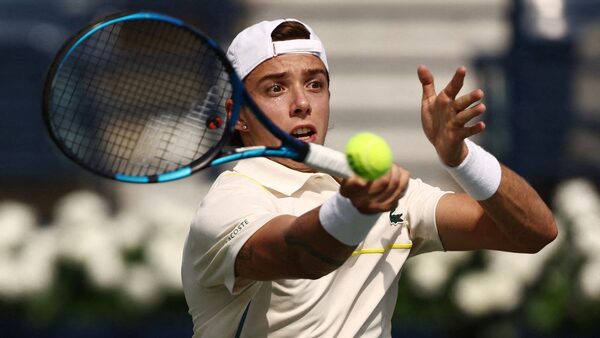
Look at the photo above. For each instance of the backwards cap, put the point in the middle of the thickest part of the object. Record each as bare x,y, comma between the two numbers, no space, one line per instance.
254,45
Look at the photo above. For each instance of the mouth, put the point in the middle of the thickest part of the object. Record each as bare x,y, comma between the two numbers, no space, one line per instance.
305,133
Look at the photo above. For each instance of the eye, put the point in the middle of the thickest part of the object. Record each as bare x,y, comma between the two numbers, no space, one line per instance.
315,85
275,89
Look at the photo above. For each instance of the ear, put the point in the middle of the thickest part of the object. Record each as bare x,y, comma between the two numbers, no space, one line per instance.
240,124
229,107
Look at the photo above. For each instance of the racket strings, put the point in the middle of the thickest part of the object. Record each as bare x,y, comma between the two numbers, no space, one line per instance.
94,57
77,126
95,94
135,98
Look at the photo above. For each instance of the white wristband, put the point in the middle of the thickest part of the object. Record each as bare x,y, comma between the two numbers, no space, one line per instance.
479,174
344,222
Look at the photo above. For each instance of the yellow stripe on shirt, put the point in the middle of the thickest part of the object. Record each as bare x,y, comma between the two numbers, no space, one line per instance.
235,174
382,250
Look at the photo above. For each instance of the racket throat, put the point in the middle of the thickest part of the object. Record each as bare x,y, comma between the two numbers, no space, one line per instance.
258,151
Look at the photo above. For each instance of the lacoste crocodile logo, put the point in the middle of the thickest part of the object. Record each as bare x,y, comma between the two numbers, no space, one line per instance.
396,219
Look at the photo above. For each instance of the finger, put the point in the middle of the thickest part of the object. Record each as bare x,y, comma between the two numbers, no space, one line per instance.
465,101
393,178
352,186
474,129
455,85
404,181
399,189
380,186
467,115
426,79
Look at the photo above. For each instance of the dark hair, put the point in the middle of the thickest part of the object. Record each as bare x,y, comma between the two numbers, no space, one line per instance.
290,30
287,30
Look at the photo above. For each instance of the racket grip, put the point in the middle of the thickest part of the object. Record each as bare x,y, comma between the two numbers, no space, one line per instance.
327,160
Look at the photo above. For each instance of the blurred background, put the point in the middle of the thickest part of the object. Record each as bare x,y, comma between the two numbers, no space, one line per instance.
85,256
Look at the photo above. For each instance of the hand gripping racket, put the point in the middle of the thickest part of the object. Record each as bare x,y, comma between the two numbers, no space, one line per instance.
141,98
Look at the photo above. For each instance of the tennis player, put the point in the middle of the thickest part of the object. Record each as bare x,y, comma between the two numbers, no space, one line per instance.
277,250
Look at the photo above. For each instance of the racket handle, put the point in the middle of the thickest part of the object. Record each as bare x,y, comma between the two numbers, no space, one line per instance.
327,160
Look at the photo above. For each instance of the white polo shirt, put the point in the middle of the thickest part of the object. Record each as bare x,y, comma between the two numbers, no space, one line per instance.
356,300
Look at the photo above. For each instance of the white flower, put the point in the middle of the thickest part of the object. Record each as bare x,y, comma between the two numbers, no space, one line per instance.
481,293
430,272
576,197
37,261
10,283
500,286
101,257
29,269
166,226
164,255
106,269
89,239
586,234
130,230
17,221
141,286
73,241
589,279
82,221
81,208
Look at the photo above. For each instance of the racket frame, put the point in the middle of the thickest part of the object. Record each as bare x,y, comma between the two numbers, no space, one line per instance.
290,147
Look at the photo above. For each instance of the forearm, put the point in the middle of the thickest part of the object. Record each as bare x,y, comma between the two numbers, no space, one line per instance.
500,212
291,247
520,213
314,250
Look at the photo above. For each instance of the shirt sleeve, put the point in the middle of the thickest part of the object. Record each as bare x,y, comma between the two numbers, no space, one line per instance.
232,211
421,203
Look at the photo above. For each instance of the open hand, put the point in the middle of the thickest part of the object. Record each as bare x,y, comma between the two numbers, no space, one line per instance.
445,117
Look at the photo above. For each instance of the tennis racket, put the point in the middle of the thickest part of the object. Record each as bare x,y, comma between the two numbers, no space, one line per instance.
140,97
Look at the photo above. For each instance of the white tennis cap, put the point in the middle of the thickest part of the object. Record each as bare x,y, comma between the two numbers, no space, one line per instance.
254,45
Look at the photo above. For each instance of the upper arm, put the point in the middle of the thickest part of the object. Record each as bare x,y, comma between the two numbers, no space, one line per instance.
232,211
260,258
462,224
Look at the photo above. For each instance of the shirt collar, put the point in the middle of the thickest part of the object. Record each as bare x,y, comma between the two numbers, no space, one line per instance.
275,176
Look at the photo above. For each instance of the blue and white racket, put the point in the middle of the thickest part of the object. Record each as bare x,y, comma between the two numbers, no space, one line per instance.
141,98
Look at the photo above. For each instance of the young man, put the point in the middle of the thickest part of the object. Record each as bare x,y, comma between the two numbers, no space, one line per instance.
278,250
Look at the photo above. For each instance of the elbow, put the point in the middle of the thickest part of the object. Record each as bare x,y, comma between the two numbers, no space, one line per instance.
550,233
547,233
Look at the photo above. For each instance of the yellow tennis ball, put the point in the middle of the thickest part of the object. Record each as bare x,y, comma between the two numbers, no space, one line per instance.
369,155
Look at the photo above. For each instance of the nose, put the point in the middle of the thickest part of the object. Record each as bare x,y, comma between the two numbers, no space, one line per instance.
301,103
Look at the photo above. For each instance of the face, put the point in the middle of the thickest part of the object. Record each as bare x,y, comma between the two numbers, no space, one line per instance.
292,90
